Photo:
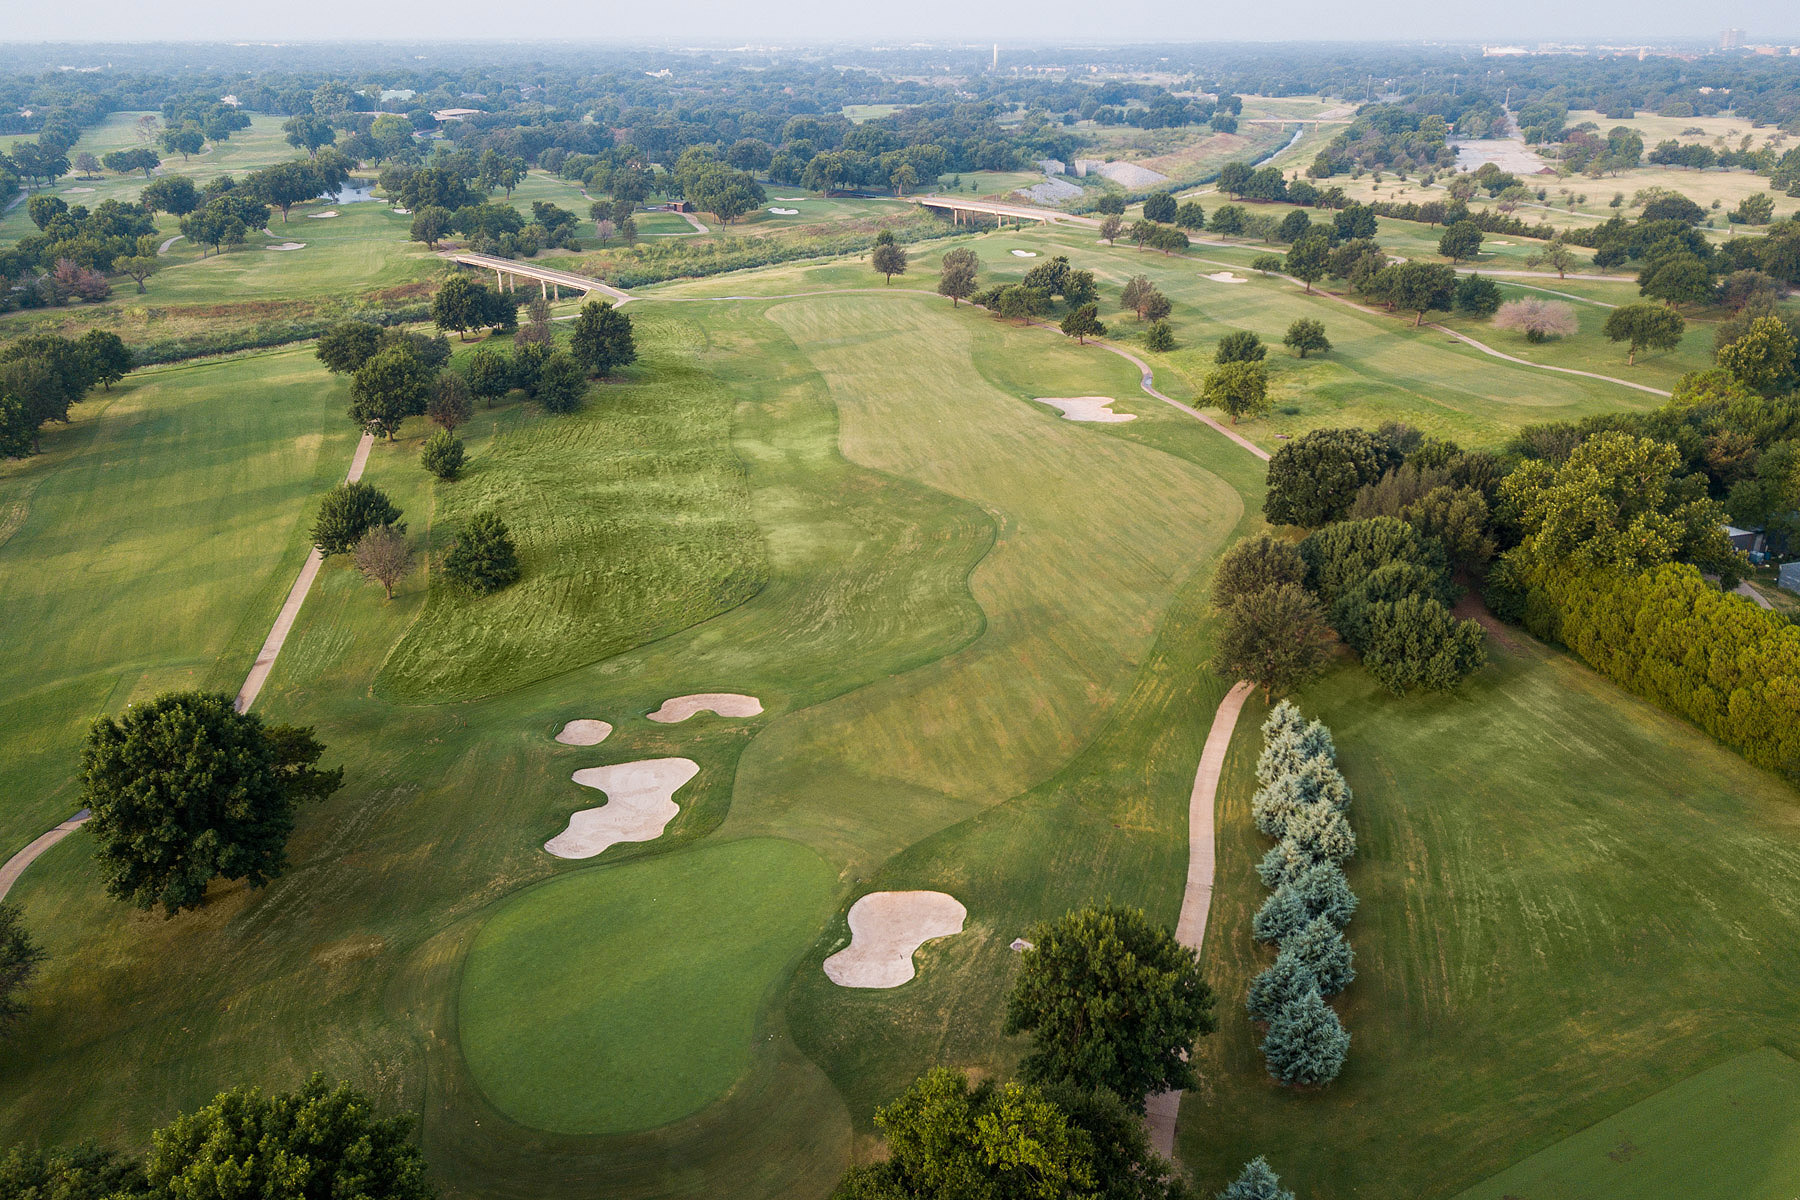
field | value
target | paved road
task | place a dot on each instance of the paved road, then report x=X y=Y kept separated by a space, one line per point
x=996 y=208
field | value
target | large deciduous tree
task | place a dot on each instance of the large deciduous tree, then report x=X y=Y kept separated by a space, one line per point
x=1305 y=336
x=1314 y=478
x=1083 y=323
x=1111 y=1001
x=1276 y=638
x=317 y=1141
x=391 y=386
x=1645 y=326
x=347 y=512
x=382 y=554
x=957 y=280
x=602 y=340
x=1239 y=388
x=184 y=789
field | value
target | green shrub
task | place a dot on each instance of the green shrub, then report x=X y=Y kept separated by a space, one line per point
x=442 y=454
x=483 y=560
x=349 y=511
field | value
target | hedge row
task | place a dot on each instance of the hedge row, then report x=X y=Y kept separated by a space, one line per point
x=1673 y=638
x=1302 y=801
x=265 y=334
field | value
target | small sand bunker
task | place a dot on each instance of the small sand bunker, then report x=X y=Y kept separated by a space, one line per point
x=403 y=212
x=638 y=806
x=1024 y=253
x=1227 y=277
x=585 y=732
x=1087 y=408
x=788 y=199
x=885 y=929
x=1020 y=945
x=726 y=704
x=75 y=191
x=287 y=246
x=785 y=212
x=1499 y=243
x=321 y=216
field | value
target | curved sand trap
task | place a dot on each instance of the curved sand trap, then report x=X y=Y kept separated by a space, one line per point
x=638 y=805
x=287 y=246
x=1020 y=945
x=1024 y=253
x=1087 y=408
x=1227 y=277
x=726 y=704
x=321 y=216
x=885 y=929
x=788 y=199
x=403 y=212
x=785 y=212
x=584 y=732
x=75 y=191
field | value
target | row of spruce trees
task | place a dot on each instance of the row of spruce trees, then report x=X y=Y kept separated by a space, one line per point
x=1301 y=801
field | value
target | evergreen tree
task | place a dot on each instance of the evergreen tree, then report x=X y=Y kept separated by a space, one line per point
x=1306 y=1044
x=442 y=454
x=1257 y=1182
x=1278 y=986
x=1321 y=948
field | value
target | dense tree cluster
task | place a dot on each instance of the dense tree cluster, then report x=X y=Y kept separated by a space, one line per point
x=43 y=375
x=1302 y=801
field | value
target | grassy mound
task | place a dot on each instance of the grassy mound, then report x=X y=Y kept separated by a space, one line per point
x=612 y=1000
x=632 y=520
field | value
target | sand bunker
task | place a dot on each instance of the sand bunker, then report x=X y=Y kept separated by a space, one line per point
x=1024 y=253
x=287 y=246
x=1499 y=243
x=584 y=732
x=785 y=212
x=1087 y=408
x=788 y=199
x=1020 y=945
x=75 y=191
x=885 y=929
x=638 y=805
x=321 y=216
x=403 y=212
x=1227 y=277
x=726 y=704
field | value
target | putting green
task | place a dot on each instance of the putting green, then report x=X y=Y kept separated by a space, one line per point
x=1729 y=1133
x=618 y=999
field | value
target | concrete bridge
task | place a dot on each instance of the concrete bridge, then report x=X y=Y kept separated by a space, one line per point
x=508 y=272
x=999 y=210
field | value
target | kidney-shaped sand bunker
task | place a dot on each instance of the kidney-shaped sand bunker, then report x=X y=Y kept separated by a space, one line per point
x=726 y=704
x=885 y=929
x=639 y=804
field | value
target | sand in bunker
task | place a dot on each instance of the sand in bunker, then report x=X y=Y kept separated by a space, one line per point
x=1087 y=408
x=726 y=704
x=321 y=216
x=885 y=929
x=584 y=732
x=785 y=212
x=638 y=805
x=287 y=246
x=1226 y=277
x=1024 y=253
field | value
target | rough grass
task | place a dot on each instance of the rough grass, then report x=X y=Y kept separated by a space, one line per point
x=1570 y=901
x=609 y=1001
x=632 y=521
x=149 y=547
x=1728 y=1133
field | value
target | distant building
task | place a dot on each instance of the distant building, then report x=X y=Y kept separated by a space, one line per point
x=1731 y=39
x=1789 y=576
x=454 y=114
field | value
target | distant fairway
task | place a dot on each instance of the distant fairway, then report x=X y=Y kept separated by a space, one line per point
x=1730 y=1133
x=613 y=1000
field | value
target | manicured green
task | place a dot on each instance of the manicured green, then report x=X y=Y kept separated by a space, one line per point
x=615 y=1000
x=1729 y=1133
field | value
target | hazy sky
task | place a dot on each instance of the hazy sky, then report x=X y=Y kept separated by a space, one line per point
x=922 y=20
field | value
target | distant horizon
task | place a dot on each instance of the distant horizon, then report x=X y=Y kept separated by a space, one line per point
x=715 y=24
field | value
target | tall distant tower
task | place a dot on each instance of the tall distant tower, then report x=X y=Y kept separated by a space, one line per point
x=1731 y=39
x=996 y=56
